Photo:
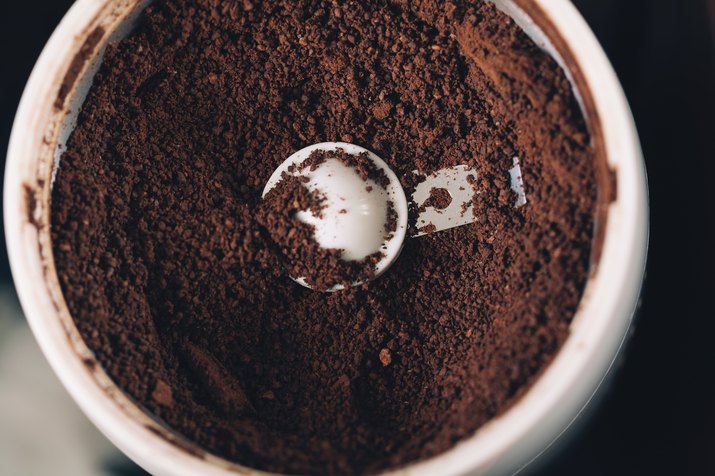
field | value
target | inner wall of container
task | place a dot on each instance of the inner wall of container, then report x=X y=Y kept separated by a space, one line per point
x=85 y=81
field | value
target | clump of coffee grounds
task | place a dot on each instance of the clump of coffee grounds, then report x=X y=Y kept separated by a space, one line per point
x=439 y=198
x=302 y=256
x=177 y=290
x=361 y=163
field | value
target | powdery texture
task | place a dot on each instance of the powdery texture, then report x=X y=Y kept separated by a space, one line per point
x=177 y=290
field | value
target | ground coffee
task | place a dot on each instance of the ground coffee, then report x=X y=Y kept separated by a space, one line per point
x=176 y=287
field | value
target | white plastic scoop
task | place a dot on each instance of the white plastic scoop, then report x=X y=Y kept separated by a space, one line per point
x=355 y=214
x=354 y=217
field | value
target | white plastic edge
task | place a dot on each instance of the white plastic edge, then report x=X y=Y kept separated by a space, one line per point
x=502 y=445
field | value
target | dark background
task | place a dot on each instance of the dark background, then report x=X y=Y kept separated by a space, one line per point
x=658 y=417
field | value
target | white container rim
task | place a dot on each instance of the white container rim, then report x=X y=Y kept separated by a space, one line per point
x=505 y=443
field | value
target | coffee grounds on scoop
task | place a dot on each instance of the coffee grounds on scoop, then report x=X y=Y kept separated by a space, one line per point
x=177 y=288
x=302 y=256
x=439 y=198
x=361 y=163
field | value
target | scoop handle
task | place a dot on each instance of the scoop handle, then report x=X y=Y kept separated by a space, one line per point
x=461 y=183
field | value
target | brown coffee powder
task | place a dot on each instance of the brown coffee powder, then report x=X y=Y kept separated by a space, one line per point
x=177 y=288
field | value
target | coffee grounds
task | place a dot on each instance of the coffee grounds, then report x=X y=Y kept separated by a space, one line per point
x=301 y=256
x=439 y=198
x=428 y=228
x=360 y=163
x=177 y=290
